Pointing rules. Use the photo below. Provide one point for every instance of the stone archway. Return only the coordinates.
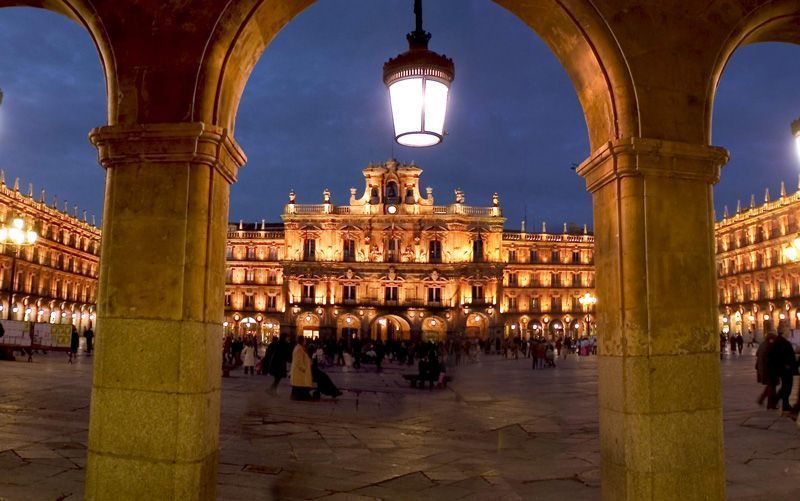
(348, 326)
(308, 325)
(433, 328)
(390, 328)
(477, 325)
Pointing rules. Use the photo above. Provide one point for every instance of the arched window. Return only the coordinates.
(477, 250)
(391, 190)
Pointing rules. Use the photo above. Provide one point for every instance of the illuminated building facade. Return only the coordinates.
(393, 265)
(759, 288)
(55, 279)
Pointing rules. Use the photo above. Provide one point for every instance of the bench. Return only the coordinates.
(419, 382)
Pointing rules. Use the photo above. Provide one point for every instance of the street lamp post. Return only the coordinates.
(18, 237)
(588, 301)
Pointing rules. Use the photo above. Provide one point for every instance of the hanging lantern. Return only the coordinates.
(796, 134)
(419, 86)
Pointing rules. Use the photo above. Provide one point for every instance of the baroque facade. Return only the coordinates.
(55, 279)
(393, 265)
(759, 288)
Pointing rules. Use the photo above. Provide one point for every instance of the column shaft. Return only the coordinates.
(154, 422)
(659, 382)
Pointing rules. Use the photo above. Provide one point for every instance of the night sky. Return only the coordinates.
(315, 112)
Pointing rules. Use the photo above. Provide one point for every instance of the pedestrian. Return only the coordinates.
(301, 378)
(739, 342)
(249, 357)
(550, 355)
(275, 360)
(782, 365)
(762, 375)
(89, 335)
(340, 347)
(751, 338)
(74, 342)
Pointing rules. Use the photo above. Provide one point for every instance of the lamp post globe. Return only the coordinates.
(419, 87)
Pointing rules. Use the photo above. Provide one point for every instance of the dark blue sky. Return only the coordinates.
(315, 112)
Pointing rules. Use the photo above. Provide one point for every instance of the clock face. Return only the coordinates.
(392, 209)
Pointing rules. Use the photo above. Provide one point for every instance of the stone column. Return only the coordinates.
(659, 381)
(154, 422)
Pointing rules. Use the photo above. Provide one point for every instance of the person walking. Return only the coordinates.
(739, 342)
(74, 342)
(762, 374)
(89, 335)
(301, 377)
(782, 365)
(275, 360)
(249, 357)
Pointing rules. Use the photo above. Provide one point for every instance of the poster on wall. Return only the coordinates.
(17, 333)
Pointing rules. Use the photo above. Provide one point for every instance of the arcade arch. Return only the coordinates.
(308, 325)
(390, 328)
(348, 326)
(433, 328)
(477, 325)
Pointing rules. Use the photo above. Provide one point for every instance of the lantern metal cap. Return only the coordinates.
(418, 60)
(796, 128)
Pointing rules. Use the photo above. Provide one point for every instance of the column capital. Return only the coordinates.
(189, 142)
(634, 156)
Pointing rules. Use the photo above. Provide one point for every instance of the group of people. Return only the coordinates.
(308, 381)
(776, 366)
(75, 343)
(545, 351)
(734, 341)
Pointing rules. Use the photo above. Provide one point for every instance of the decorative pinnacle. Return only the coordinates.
(30, 190)
(93, 221)
(66, 207)
(544, 227)
(2, 177)
(55, 202)
(41, 196)
(84, 215)
(725, 213)
(585, 229)
(752, 201)
(766, 195)
(241, 224)
(738, 206)
(783, 189)
(16, 184)
(565, 227)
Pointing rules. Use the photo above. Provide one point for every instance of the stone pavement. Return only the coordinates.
(501, 431)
